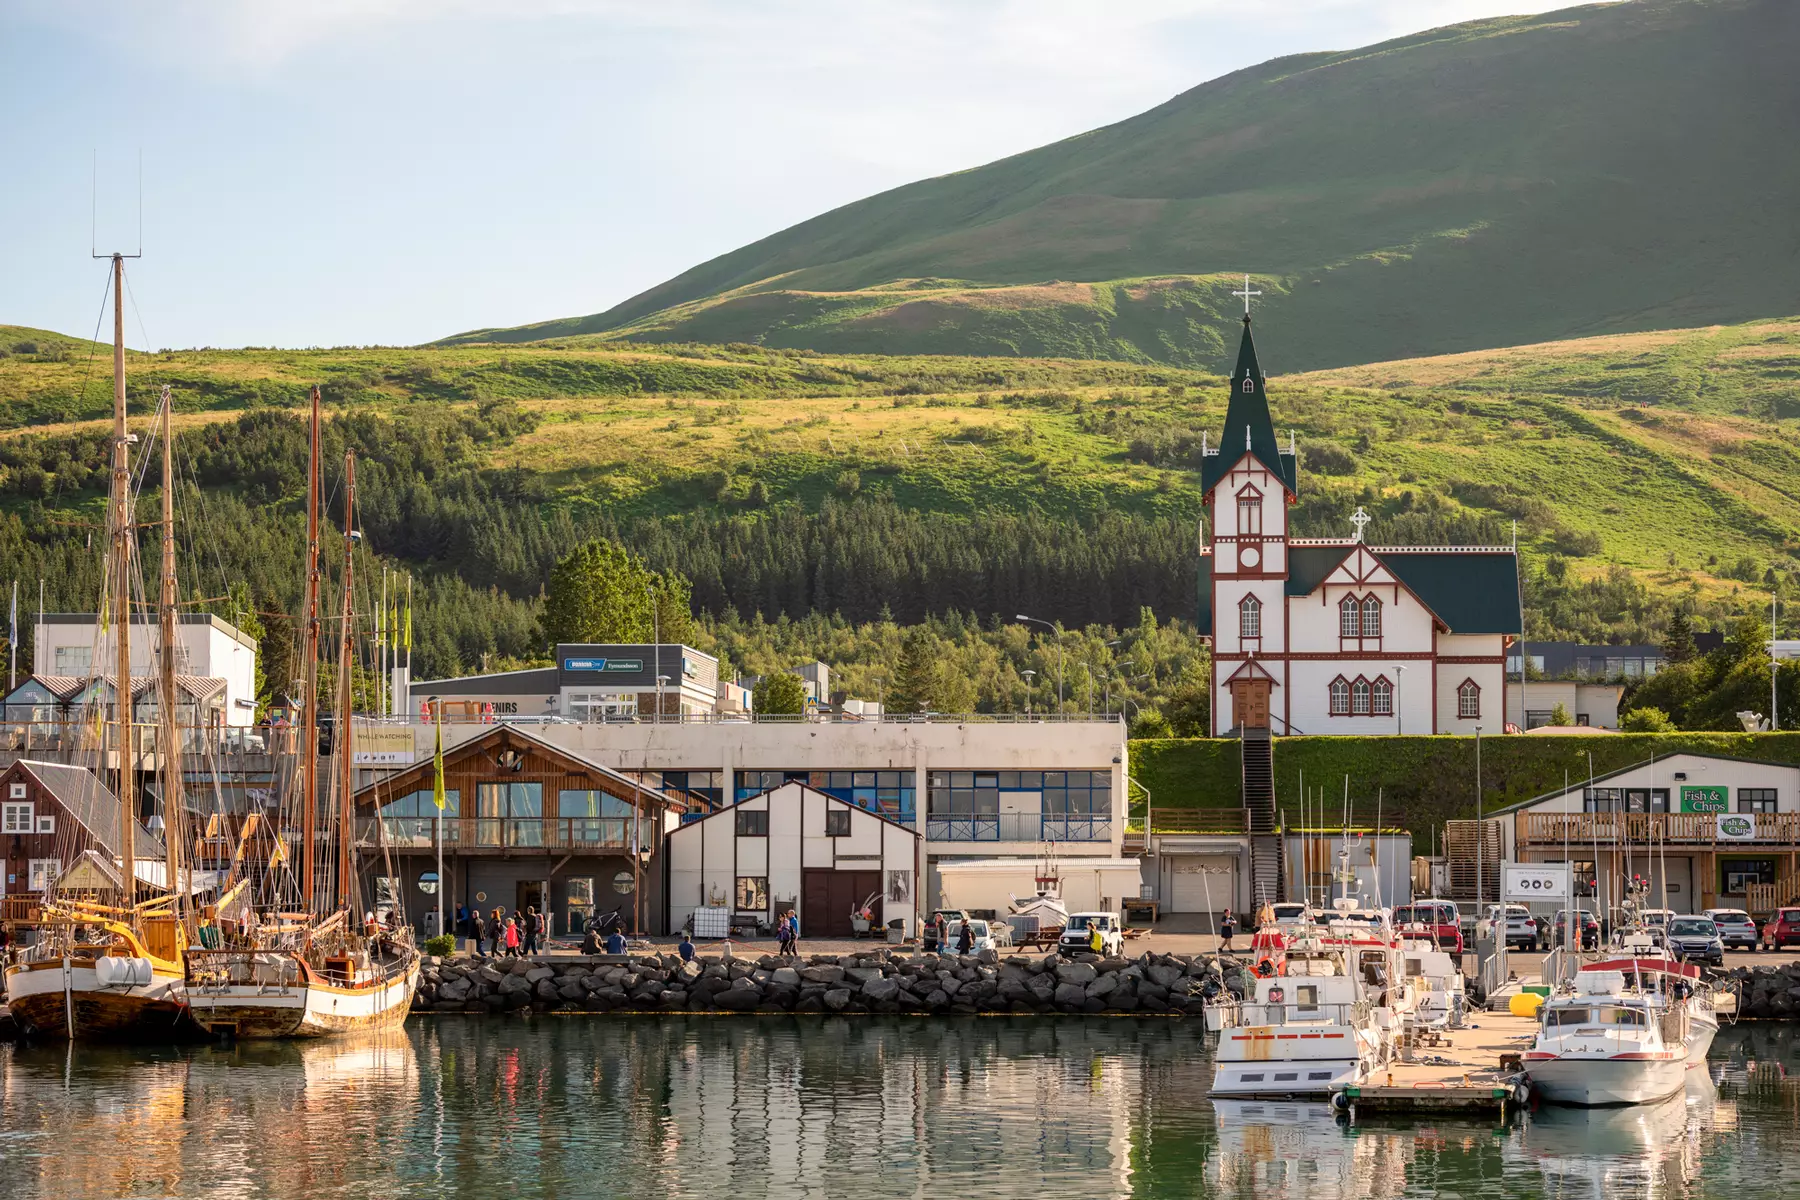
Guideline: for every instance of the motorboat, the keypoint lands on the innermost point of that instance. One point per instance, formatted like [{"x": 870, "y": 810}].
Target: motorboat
[
  {"x": 1437, "y": 985},
  {"x": 1625, "y": 1032},
  {"x": 1314, "y": 1027}
]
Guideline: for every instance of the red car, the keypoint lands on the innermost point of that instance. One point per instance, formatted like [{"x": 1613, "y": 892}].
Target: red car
[
  {"x": 1783, "y": 929},
  {"x": 1436, "y": 919}
]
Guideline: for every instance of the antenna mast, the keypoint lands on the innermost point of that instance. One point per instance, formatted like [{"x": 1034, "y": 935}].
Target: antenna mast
[
  {"x": 174, "y": 825},
  {"x": 346, "y": 693},
  {"x": 123, "y": 539}
]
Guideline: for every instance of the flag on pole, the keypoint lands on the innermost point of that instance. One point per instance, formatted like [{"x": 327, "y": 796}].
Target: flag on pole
[
  {"x": 437, "y": 762},
  {"x": 408, "y": 646}
]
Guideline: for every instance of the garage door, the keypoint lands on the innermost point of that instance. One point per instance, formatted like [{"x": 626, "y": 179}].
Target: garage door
[
  {"x": 831, "y": 896},
  {"x": 1202, "y": 882}
]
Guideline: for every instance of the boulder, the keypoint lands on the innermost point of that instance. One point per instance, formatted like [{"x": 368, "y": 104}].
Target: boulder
[
  {"x": 937, "y": 998},
  {"x": 1070, "y": 995},
  {"x": 737, "y": 999},
  {"x": 514, "y": 985},
  {"x": 490, "y": 975},
  {"x": 822, "y": 974},
  {"x": 785, "y": 977},
  {"x": 546, "y": 989},
  {"x": 520, "y": 966},
  {"x": 1104, "y": 985},
  {"x": 1163, "y": 974},
  {"x": 878, "y": 991},
  {"x": 862, "y": 974},
  {"x": 836, "y": 999},
  {"x": 538, "y": 974},
  {"x": 1077, "y": 973}
]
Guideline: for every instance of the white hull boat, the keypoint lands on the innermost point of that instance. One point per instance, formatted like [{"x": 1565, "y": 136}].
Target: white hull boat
[{"x": 1627, "y": 1033}]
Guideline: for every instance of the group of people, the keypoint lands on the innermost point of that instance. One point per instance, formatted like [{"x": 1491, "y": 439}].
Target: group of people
[
  {"x": 938, "y": 935},
  {"x": 498, "y": 933},
  {"x": 787, "y": 933}
]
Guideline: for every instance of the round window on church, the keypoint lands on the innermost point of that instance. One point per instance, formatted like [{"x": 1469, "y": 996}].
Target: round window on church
[{"x": 1249, "y": 558}]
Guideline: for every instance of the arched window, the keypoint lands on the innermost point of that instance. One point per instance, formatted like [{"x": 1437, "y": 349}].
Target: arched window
[
  {"x": 1249, "y": 385},
  {"x": 1371, "y": 617},
  {"x": 1468, "y": 700},
  {"x": 1359, "y": 698},
  {"x": 1340, "y": 697},
  {"x": 1249, "y": 617},
  {"x": 1384, "y": 697},
  {"x": 1349, "y": 617},
  {"x": 1249, "y": 512}
]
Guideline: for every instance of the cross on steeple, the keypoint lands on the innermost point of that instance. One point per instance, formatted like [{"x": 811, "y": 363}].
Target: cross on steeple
[
  {"x": 1247, "y": 293},
  {"x": 1359, "y": 518}
]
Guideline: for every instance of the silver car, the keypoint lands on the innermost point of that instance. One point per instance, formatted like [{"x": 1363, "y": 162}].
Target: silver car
[
  {"x": 1695, "y": 938},
  {"x": 1736, "y": 928}
]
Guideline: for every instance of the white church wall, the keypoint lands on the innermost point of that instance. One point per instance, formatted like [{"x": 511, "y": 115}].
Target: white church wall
[
  {"x": 1405, "y": 623},
  {"x": 1481, "y": 660},
  {"x": 1227, "y": 595},
  {"x": 1310, "y": 699}
]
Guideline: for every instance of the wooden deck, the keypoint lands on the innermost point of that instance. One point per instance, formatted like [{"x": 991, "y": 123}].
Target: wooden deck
[
  {"x": 1462, "y": 1076},
  {"x": 1641, "y": 829}
]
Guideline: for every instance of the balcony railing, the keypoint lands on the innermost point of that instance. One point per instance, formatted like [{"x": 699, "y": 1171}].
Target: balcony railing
[
  {"x": 1017, "y": 827},
  {"x": 1614, "y": 828},
  {"x": 509, "y": 833}
]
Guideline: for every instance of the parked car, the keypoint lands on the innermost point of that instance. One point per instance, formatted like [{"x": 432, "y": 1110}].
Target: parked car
[
  {"x": 1586, "y": 923},
  {"x": 950, "y": 916},
  {"x": 1657, "y": 916},
  {"x": 1521, "y": 926},
  {"x": 1078, "y": 933},
  {"x": 1436, "y": 919},
  {"x": 980, "y": 936},
  {"x": 1695, "y": 938},
  {"x": 1783, "y": 929},
  {"x": 1736, "y": 928}
]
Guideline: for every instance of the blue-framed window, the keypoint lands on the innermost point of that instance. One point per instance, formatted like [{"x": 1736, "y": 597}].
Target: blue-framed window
[
  {"x": 889, "y": 793},
  {"x": 1070, "y": 806}
]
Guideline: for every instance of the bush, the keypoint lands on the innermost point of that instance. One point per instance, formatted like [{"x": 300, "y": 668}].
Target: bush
[
  {"x": 1646, "y": 720},
  {"x": 1559, "y": 715},
  {"x": 1576, "y": 544},
  {"x": 1150, "y": 723},
  {"x": 443, "y": 945},
  {"x": 1328, "y": 459}
]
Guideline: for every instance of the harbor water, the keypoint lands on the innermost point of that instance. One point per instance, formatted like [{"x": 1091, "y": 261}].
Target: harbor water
[{"x": 817, "y": 1107}]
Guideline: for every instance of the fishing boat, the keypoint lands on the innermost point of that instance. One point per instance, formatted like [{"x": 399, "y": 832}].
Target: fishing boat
[
  {"x": 1626, "y": 1031},
  {"x": 107, "y": 962},
  {"x": 310, "y": 968}
]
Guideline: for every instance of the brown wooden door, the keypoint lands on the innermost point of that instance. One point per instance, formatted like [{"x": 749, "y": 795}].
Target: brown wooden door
[
  {"x": 1250, "y": 703},
  {"x": 829, "y": 897}
]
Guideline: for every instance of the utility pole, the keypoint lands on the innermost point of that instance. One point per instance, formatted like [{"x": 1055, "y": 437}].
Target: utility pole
[
  {"x": 1481, "y": 838},
  {"x": 309, "y": 679},
  {"x": 1399, "y": 699},
  {"x": 346, "y": 820},
  {"x": 1774, "y": 663}
]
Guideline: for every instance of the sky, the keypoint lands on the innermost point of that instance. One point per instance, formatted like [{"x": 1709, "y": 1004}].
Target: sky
[{"x": 382, "y": 172}]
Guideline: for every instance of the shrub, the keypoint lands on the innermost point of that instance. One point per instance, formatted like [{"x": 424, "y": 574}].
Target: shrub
[
  {"x": 441, "y": 946},
  {"x": 1646, "y": 720}
]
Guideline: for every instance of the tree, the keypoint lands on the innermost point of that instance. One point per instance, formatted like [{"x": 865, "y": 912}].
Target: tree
[
  {"x": 1559, "y": 715},
  {"x": 1646, "y": 720},
  {"x": 926, "y": 679},
  {"x": 672, "y": 596},
  {"x": 780, "y": 692},
  {"x": 1151, "y": 724},
  {"x": 1189, "y": 704},
  {"x": 1678, "y": 642},
  {"x": 602, "y": 593}
]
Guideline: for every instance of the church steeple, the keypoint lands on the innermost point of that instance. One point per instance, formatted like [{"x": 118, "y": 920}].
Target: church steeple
[{"x": 1248, "y": 426}]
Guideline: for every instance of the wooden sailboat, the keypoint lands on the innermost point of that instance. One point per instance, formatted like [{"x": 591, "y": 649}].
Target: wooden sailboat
[
  {"x": 114, "y": 970},
  {"x": 306, "y": 973}
]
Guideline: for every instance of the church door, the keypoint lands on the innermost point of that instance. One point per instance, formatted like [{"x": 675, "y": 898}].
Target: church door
[{"x": 1250, "y": 703}]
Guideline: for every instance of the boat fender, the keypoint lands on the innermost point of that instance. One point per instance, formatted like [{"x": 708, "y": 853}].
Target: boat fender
[
  {"x": 1522, "y": 1093},
  {"x": 1340, "y": 1102},
  {"x": 115, "y": 971}
]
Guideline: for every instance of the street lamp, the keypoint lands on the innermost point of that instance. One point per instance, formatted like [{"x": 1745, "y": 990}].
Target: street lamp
[
  {"x": 1059, "y": 656},
  {"x": 1399, "y": 698},
  {"x": 661, "y": 680},
  {"x": 1028, "y": 678}
]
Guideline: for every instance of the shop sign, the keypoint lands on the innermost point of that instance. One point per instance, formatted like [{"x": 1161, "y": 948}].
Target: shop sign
[{"x": 1705, "y": 798}]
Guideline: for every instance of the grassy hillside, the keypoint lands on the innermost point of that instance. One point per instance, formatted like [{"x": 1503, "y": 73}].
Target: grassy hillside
[
  {"x": 1645, "y": 471},
  {"x": 1607, "y": 168}
]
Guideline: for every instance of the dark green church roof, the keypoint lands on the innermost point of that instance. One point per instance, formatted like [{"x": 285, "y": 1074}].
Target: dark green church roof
[{"x": 1248, "y": 426}]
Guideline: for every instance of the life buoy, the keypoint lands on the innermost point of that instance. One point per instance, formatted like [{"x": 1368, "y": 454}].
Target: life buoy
[{"x": 1265, "y": 967}]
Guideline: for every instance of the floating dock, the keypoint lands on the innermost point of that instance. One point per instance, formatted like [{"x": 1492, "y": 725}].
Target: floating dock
[{"x": 1466, "y": 1071}]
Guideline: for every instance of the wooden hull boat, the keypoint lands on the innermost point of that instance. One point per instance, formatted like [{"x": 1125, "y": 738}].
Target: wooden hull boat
[
  {"x": 109, "y": 997},
  {"x": 278, "y": 994}
]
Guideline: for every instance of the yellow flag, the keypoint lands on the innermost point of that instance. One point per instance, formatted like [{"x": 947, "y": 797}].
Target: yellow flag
[{"x": 437, "y": 761}]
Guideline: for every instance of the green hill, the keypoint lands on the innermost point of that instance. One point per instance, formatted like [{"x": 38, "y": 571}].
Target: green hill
[{"x": 1522, "y": 179}]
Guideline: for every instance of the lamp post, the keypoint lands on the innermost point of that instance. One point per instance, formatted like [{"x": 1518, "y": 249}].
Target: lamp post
[
  {"x": 1029, "y": 675},
  {"x": 1399, "y": 699},
  {"x": 661, "y": 680},
  {"x": 656, "y": 648},
  {"x": 1107, "y": 701},
  {"x": 1059, "y": 656},
  {"x": 1480, "y": 833}
]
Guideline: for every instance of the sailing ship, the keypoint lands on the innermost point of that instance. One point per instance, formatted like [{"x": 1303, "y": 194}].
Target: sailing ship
[
  {"x": 108, "y": 961},
  {"x": 302, "y": 969}
]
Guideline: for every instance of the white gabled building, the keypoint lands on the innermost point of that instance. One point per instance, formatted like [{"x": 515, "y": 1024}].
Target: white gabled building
[
  {"x": 795, "y": 849},
  {"x": 1328, "y": 635},
  {"x": 208, "y": 650}
]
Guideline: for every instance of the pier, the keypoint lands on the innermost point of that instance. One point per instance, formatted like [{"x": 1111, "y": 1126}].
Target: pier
[{"x": 1469, "y": 1070}]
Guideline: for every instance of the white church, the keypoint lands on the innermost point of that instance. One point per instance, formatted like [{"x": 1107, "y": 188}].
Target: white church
[{"x": 1328, "y": 635}]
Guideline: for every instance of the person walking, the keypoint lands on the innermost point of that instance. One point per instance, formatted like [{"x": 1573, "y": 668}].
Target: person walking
[
  {"x": 534, "y": 927},
  {"x": 793, "y": 932},
  {"x": 781, "y": 935},
  {"x": 965, "y": 941},
  {"x": 477, "y": 930},
  {"x": 1227, "y": 930},
  {"x": 512, "y": 936}
]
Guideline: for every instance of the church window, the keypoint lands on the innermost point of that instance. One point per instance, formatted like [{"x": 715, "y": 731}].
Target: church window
[
  {"x": 1359, "y": 698},
  {"x": 1349, "y": 617},
  {"x": 1249, "y": 385},
  {"x": 1383, "y": 695},
  {"x": 1371, "y": 617},
  {"x": 1468, "y": 700},
  {"x": 1340, "y": 697},
  {"x": 1250, "y": 617},
  {"x": 1249, "y": 512}
]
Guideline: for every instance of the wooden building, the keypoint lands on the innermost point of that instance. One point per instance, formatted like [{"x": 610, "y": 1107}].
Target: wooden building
[
  {"x": 51, "y": 815},
  {"x": 524, "y": 823}
]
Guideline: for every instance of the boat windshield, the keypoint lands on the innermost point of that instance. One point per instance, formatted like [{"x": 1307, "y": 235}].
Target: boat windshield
[{"x": 1604, "y": 1014}]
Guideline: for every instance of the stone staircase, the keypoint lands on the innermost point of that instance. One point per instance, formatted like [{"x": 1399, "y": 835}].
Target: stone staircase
[{"x": 1267, "y": 875}]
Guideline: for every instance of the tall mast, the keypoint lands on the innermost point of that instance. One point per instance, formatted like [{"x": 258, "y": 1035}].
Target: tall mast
[
  {"x": 346, "y": 693},
  {"x": 120, "y": 604},
  {"x": 309, "y": 674},
  {"x": 174, "y": 814}
]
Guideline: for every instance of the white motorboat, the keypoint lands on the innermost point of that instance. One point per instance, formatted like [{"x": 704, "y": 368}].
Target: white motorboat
[
  {"x": 1626, "y": 1032},
  {"x": 1437, "y": 983},
  {"x": 1306, "y": 1030}
]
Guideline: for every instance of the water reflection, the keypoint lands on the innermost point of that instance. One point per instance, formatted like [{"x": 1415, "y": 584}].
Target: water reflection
[{"x": 797, "y": 1107}]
